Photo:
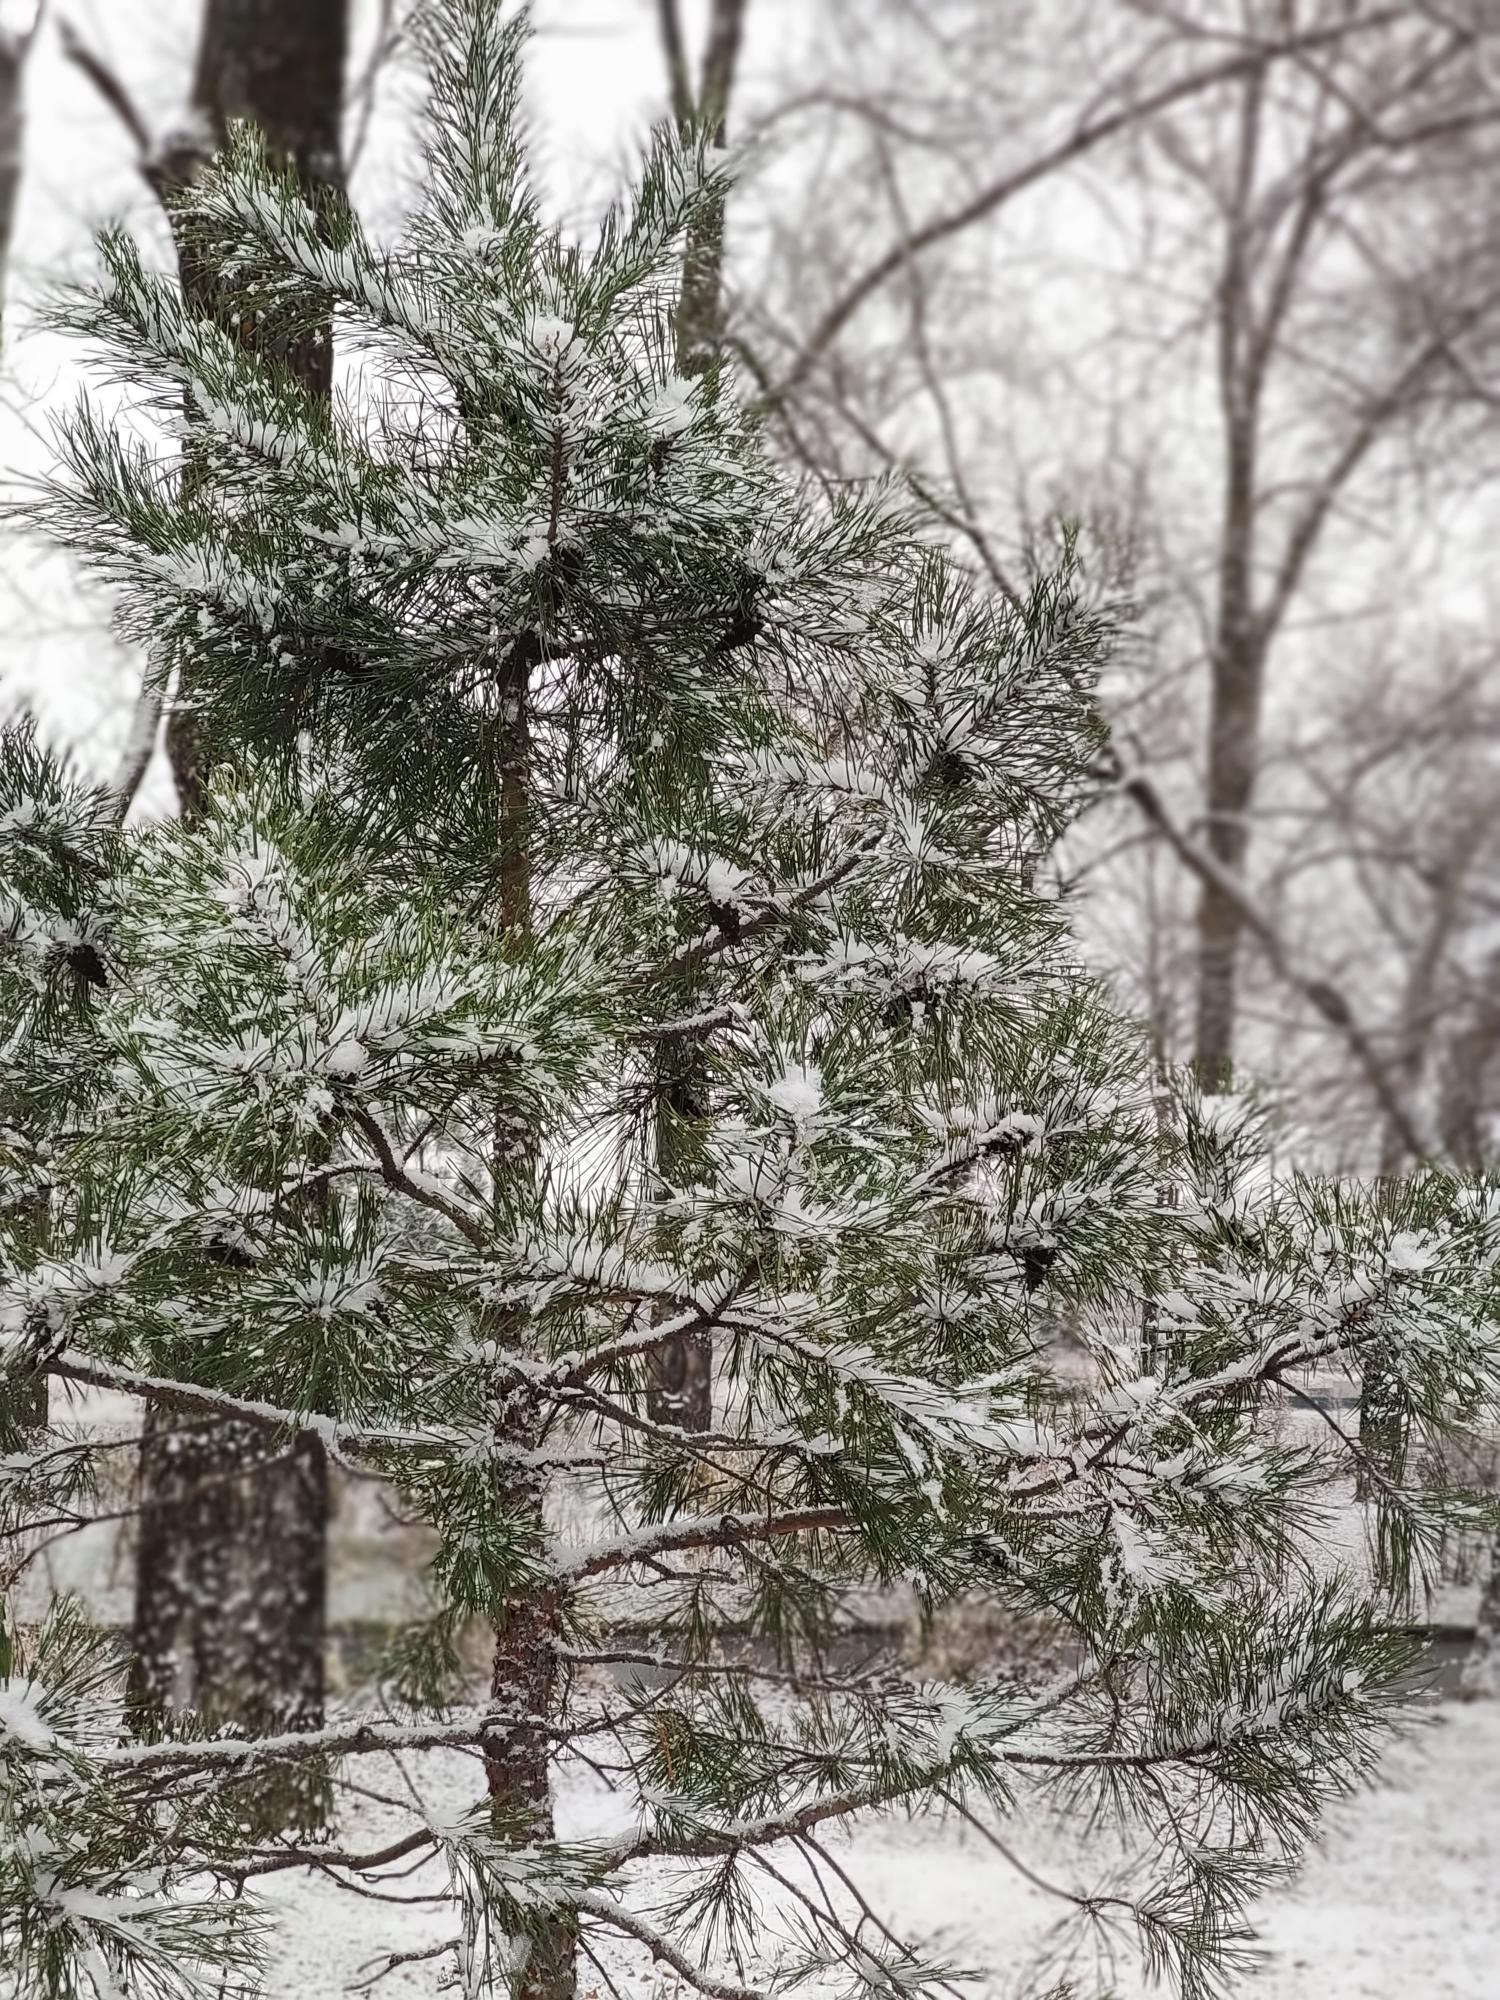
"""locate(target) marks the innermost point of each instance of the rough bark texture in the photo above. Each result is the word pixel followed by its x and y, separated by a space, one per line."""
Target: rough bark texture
pixel 230 1590
pixel 523 1695
pixel 523 1681
pixel 231 1587
pixel 681 1385
pixel 279 63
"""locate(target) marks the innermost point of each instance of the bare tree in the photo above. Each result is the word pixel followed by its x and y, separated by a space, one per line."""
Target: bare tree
pixel 1264 281
pixel 1305 183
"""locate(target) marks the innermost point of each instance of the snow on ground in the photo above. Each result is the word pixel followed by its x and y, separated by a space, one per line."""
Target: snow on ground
pixel 1400 1900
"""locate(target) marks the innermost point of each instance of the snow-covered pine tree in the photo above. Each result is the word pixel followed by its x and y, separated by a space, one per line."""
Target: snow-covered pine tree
pixel 331 1111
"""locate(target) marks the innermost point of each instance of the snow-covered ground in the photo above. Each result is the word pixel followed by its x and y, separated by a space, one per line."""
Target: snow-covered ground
pixel 1400 1901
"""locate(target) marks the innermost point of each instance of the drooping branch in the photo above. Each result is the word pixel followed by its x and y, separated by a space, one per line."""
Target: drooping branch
pixel 191 1399
pixel 604 1910
pixel 396 1176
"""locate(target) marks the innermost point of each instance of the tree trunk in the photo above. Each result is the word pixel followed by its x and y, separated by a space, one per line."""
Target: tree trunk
pixel 680 1388
pixel 279 63
pixel 1237 669
pixel 1481 1675
pixel 230 1589
pixel 25 1401
pixel 1234 744
pixel 14 49
pixel 528 1624
pixel 231 1582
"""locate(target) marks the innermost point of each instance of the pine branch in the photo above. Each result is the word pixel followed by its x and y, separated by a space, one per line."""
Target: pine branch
pixel 712 946
pixel 191 1399
pixel 727 1532
pixel 663 1951
pixel 465 1730
pixel 397 1177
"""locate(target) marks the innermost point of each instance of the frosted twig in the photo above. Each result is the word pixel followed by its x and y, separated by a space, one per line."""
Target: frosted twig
pixel 661 1948
pixel 140 742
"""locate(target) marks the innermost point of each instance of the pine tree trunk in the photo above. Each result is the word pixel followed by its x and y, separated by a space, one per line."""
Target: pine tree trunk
pixel 231 1581
pixel 680 1389
pixel 523 1681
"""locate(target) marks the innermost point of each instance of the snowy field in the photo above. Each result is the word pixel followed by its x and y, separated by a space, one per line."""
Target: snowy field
pixel 1401 1900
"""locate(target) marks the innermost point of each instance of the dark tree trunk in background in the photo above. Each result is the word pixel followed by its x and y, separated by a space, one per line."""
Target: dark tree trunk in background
pixel 12 67
pixel 25 1401
pixel 15 47
pixel 279 63
pixel 1238 664
pixel 231 1584
pixel 1236 689
pixel 681 1389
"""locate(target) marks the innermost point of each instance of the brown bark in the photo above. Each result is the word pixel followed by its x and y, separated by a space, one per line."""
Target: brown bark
pixel 528 1624
pixel 231 1586
pixel 680 1388
pixel 280 64
pixel 523 1696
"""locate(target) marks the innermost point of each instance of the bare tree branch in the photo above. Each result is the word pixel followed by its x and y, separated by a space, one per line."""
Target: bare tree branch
pixel 1092 132
pixel 111 87
pixel 1324 998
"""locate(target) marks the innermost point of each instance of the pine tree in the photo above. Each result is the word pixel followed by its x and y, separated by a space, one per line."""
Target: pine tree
pixel 575 734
